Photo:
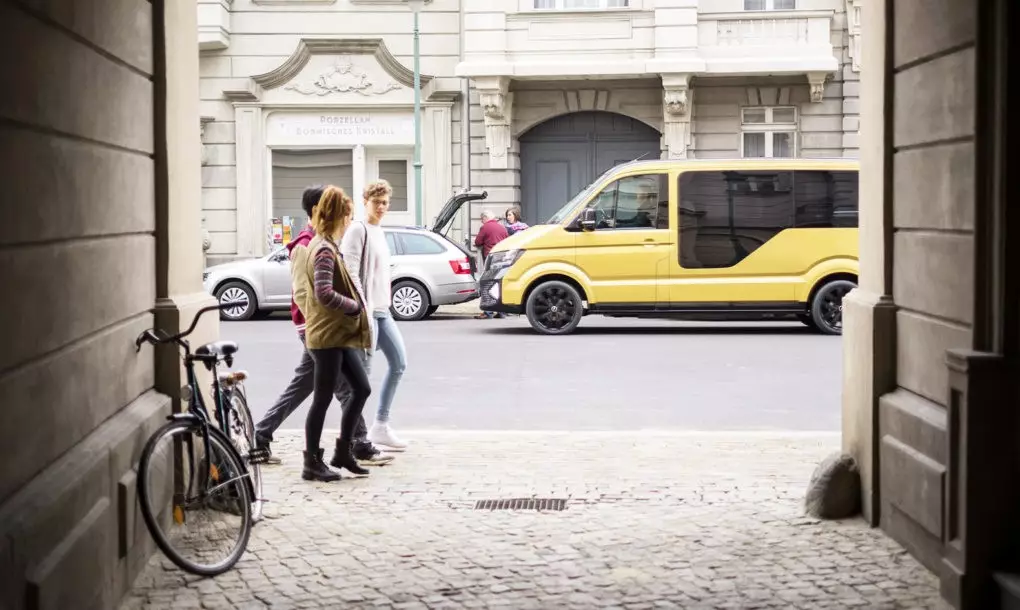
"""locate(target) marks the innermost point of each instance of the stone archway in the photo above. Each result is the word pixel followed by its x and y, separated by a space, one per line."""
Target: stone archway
pixel 562 155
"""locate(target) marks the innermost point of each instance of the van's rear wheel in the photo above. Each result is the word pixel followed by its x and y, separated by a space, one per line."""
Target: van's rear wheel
pixel 554 308
pixel 827 306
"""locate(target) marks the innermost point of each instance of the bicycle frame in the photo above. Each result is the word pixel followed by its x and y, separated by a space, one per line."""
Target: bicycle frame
pixel 197 411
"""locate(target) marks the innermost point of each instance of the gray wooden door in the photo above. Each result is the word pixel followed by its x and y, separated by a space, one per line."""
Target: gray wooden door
pixel 563 155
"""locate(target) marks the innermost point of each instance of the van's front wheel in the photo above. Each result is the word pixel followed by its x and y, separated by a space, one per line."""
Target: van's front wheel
pixel 827 306
pixel 554 308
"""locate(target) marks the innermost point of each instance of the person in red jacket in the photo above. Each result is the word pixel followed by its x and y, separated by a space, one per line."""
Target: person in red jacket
pixel 302 385
pixel 492 232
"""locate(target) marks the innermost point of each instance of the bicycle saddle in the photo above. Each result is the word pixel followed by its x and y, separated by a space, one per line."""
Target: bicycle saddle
pixel 220 348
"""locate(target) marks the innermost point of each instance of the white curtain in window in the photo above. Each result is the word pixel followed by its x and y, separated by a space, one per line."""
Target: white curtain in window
pixel 754 145
pixel 782 145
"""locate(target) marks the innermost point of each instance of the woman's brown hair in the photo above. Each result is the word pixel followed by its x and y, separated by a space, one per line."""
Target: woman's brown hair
pixel 333 209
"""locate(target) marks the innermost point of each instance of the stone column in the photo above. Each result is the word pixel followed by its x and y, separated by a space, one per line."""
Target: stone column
pixel 250 146
pixel 677 106
pixel 180 260
pixel 359 178
pixel 869 314
pixel 437 142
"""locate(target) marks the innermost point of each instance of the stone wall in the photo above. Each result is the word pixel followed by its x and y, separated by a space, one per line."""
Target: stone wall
pixel 86 155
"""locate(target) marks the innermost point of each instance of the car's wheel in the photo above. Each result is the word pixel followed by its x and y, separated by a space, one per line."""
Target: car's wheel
pixel 410 301
pixel 431 310
pixel 241 293
pixel 827 306
pixel 554 308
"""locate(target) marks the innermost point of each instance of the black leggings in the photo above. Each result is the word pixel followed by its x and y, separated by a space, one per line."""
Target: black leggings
pixel 329 365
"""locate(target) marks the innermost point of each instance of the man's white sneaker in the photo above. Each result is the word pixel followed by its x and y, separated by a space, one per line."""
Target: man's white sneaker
pixel 382 434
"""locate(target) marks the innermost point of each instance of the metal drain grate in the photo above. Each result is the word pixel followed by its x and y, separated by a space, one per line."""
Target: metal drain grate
pixel 537 504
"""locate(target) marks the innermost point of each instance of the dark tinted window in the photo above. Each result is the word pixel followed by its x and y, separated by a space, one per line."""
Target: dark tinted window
pixel 415 243
pixel 725 216
pixel 825 199
pixel 634 202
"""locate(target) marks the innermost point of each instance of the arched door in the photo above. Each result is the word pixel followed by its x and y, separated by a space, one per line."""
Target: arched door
pixel 561 156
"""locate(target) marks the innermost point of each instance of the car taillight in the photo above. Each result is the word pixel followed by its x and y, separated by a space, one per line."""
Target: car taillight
pixel 461 266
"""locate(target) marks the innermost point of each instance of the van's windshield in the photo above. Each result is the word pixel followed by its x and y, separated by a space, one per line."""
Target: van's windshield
pixel 561 214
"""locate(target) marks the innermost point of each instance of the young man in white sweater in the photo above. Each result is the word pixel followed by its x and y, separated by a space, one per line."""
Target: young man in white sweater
pixel 368 260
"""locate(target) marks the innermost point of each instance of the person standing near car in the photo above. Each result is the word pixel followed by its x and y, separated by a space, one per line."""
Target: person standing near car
pixel 302 385
pixel 513 221
pixel 367 257
pixel 491 233
pixel 337 332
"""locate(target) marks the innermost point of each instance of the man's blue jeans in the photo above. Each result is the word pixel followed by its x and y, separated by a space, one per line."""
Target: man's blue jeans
pixel 387 338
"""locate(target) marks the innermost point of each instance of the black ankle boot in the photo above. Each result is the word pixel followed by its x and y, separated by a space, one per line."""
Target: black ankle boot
pixel 316 470
pixel 344 458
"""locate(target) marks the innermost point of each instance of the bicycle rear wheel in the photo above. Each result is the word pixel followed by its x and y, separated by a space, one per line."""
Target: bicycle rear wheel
pixel 242 434
pixel 197 506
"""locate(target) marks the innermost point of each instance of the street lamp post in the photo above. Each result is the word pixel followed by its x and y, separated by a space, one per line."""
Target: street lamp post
pixel 416 7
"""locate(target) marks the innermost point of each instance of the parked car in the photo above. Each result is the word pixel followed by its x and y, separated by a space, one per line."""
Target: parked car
pixel 428 269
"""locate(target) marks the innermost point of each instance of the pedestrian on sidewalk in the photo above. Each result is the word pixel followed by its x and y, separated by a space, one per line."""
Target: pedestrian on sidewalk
pixel 491 233
pixel 368 262
pixel 302 385
pixel 513 222
pixel 337 330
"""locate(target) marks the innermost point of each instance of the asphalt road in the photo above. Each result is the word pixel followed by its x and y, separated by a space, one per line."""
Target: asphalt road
pixel 611 375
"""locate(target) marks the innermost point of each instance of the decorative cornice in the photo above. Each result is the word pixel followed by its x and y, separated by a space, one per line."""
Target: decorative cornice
pixel 308 47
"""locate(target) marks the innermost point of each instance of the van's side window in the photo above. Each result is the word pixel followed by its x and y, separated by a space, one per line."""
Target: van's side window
pixel 727 215
pixel 634 202
pixel 825 198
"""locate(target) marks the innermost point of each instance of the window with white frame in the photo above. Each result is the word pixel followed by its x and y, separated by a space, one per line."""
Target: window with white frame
pixel 769 5
pixel 570 5
pixel 768 132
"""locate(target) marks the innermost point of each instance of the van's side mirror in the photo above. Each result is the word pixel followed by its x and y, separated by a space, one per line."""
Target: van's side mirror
pixel 588 219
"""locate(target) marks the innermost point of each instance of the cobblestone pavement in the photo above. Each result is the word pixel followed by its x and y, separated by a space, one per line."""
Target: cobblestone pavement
pixel 654 520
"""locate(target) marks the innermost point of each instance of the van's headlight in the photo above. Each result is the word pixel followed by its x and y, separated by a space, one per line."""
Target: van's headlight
pixel 503 260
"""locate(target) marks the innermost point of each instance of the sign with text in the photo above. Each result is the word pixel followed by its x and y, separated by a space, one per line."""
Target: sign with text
pixel 325 129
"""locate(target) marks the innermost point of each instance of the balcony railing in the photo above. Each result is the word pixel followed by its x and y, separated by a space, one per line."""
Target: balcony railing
pixel 771 41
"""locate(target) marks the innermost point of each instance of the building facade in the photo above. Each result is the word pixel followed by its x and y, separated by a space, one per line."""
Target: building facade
pixel 529 100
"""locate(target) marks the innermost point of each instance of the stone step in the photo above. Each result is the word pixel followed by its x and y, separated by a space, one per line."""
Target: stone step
pixel 1009 590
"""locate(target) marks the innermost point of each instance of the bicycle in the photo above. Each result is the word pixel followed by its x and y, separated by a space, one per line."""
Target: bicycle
pixel 242 430
pixel 197 472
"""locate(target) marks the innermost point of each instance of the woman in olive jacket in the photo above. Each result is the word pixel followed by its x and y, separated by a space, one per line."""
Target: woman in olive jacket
pixel 336 330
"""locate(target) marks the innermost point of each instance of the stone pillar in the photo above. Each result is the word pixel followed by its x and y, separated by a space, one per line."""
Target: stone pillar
pixel 437 142
pixel 497 107
pixel 179 256
pixel 869 314
pixel 250 146
pixel 677 106
pixel 359 178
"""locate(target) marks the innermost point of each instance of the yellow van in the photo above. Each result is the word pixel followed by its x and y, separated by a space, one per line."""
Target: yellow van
pixel 744 239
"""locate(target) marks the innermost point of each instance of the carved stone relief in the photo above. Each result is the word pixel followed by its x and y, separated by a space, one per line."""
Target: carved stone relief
pixel 497 108
pixel 677 104
pixel 342 77
pixel 817 82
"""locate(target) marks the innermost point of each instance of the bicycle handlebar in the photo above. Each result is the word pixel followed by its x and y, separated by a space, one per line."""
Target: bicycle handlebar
pixel 150 337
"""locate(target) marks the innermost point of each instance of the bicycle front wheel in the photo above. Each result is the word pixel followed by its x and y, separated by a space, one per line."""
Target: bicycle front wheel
pixel 196 503
pixel 242 434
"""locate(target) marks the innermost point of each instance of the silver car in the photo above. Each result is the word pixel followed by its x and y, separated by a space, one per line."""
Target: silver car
pixel 428 270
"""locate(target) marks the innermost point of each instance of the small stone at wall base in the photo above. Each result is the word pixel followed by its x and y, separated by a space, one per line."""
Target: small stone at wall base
pixel 835 488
